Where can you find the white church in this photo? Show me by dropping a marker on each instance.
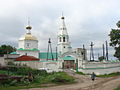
(65, 57)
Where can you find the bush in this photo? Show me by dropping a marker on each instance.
(8, 80)
(4, 79)
(11, 63)
(56, 77)
(62, 78)
(25, 70)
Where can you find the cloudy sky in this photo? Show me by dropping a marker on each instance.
(86, 21)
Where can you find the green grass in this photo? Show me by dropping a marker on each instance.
(21, 87)
(52, 79)
(3, 72)
(117, 89)
(56, 77)
(109, 75)
(7, 72)
(81, 73)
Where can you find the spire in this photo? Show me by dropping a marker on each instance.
(28, 27)
(63, 29)
(28, 20)
(62, 16)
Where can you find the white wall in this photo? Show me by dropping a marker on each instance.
(32, 64)
(61, 48)
(2, 61)
(32, 44)
(54, 66)
(100, 67)
(29, 53)
(51, 65)
(21, 44)
(11, 56)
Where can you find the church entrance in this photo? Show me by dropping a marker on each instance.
(69, 62)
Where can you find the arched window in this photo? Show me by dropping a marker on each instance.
(60, 39)
(63, 39)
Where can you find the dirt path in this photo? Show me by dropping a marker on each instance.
(85, 83)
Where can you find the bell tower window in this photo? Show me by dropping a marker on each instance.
(63, 39)
(60, 39)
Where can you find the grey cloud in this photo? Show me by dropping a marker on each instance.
(86, 20)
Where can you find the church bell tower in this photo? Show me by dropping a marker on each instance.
(63, 44)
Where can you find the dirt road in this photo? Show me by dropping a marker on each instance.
(85, 83)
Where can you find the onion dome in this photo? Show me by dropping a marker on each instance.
(28, 37)
(62, 17)
(28, 27)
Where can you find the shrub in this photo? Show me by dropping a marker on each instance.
(62, 78)
(25, 70)
(4, 79)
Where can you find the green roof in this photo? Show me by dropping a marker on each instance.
(13, 53)
(68, 58)
(34, 49)
(43, 55)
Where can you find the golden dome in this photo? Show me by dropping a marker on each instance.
(28, 37)
(28, 27)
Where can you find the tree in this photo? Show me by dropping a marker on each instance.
(101, 58)
(115, 40)
(6, 49)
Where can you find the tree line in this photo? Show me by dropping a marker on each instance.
(115, 40)
(6, 49)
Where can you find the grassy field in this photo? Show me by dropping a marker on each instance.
(27, 86)
(109, 75)
(41, 79)
(117, 89)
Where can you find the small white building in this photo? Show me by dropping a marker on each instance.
(28, 44)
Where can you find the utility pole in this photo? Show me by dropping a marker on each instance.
(98, 56)
(56, 54)
(84, 52)
(103, 51)
(91, 52)
(49, 47)
(106, 50)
